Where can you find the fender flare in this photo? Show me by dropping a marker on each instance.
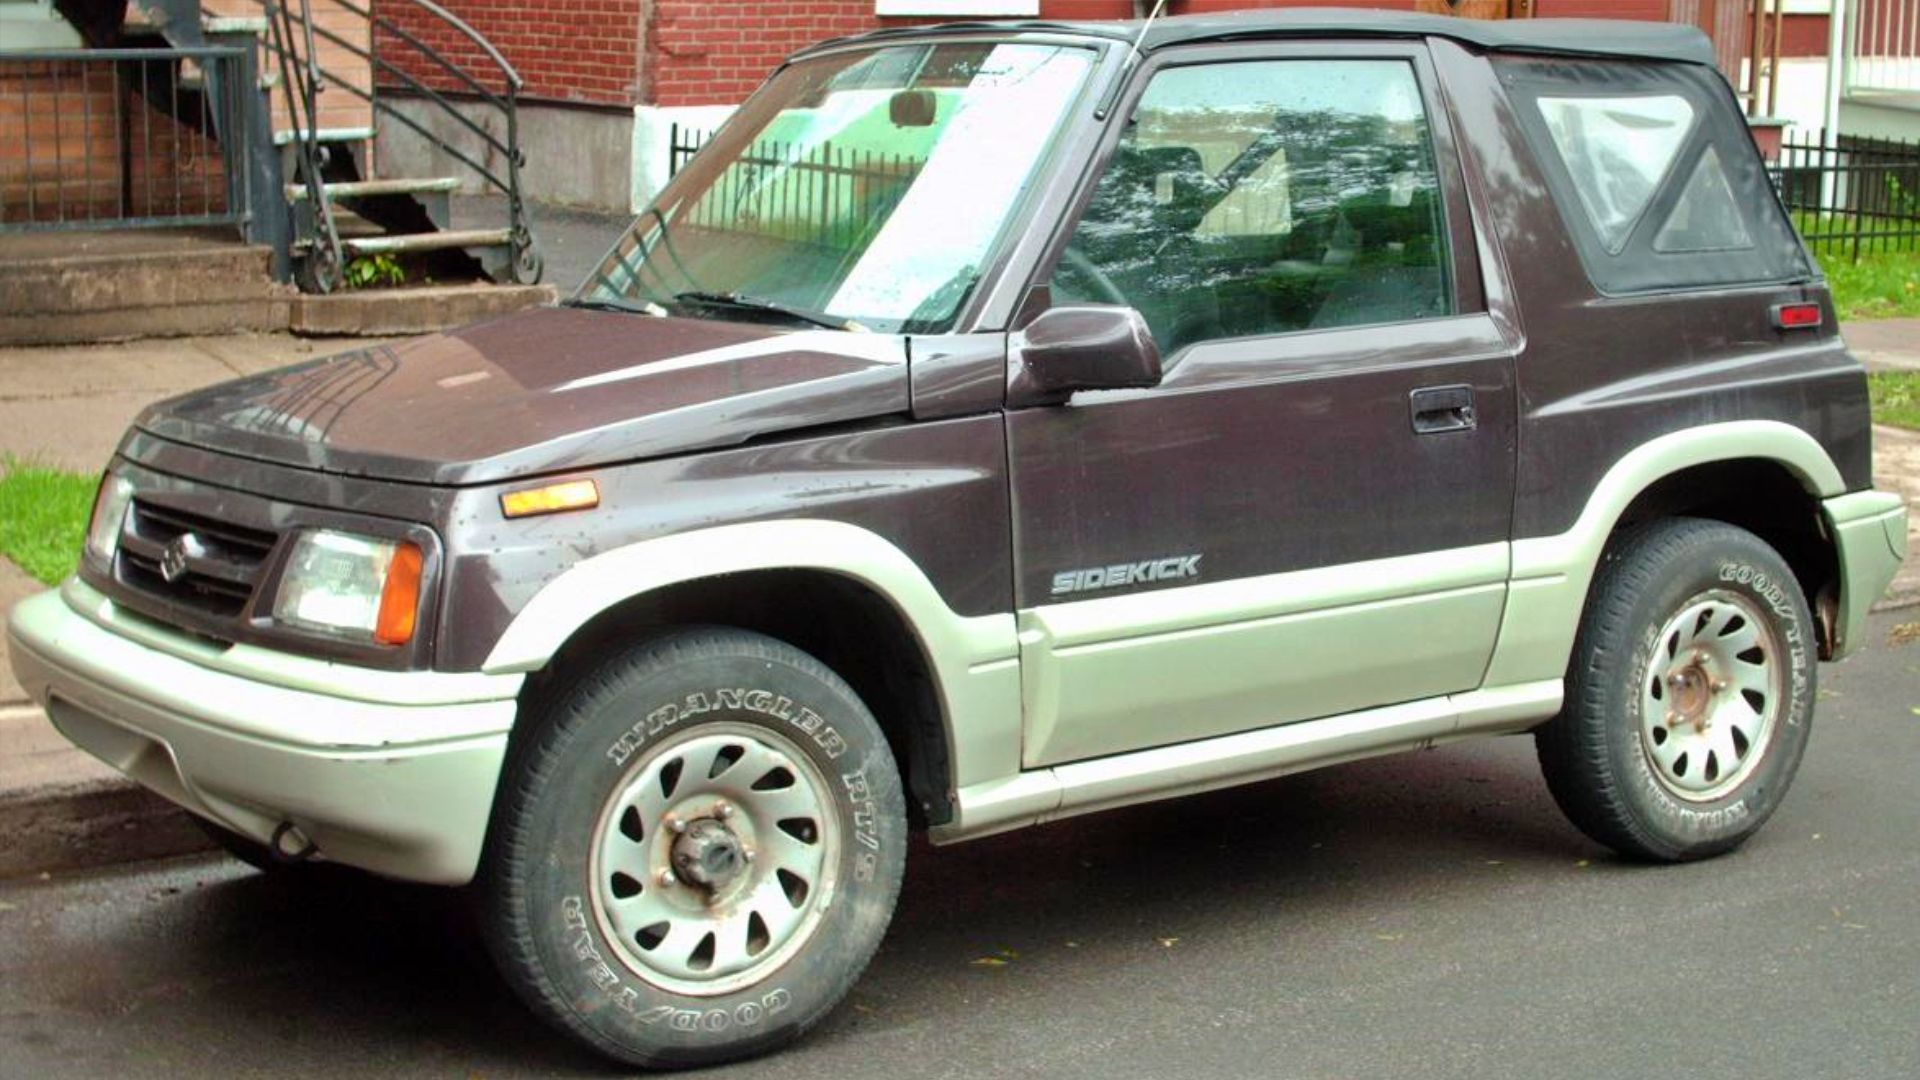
(1551, 574)
(974, 659)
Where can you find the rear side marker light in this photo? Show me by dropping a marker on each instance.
(552, 499)
(1796, 316)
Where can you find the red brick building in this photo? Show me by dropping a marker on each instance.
(605, 79)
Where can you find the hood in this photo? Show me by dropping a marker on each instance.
(542, 391)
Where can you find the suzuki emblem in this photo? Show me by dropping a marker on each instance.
(173, 561)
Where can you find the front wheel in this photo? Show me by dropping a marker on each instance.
(1689, 696)
(696, 851)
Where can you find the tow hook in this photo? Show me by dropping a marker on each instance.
(290, 845)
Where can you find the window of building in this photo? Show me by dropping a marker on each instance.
(1267, 197)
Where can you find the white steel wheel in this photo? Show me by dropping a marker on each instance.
(715, 858)
(696, 849)
(1715, 686)
(1689, 695)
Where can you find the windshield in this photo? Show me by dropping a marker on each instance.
(861, 188)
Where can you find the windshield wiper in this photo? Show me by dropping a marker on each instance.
(754, 303)
(615, 303)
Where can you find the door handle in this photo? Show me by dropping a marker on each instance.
(1440, 409)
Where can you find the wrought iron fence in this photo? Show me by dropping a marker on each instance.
(123, 138)
(1861, 196)
(820, 193)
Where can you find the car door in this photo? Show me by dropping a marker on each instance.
(1310, 515)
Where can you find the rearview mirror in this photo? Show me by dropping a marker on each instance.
(1085, 347)
(912, 108)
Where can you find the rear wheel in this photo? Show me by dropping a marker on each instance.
(1690, 695)
(696, 851)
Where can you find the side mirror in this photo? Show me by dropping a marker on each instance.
(1085, 347)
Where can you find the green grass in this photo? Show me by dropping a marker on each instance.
(1883, 286)
(1896, 398)
(43, 517)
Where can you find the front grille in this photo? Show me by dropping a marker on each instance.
(216, 565)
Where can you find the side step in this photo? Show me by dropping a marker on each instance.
(433, 241)
(366, 189)
(352, 134)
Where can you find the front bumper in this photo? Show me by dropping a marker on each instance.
(1869, 530)
(392, 772)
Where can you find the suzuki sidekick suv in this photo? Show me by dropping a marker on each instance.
(1002, 422)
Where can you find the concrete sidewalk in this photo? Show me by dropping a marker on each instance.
(69, 405)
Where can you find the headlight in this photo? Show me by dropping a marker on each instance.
(109, 515)
(351, 586)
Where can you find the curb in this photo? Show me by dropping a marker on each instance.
(99, 823)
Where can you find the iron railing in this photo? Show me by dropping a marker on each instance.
(499, 92)
(126, 138)
(1856, 197)
(822, 193)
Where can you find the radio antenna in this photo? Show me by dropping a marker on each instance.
(1158, 7)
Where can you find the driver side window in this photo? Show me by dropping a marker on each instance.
(1267, 197)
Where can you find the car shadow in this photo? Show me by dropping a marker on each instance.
(335, 959)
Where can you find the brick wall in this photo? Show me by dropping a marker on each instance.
(584, 51)
(61, 140)
(339, 108)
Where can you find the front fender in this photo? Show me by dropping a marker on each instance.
(974, 659)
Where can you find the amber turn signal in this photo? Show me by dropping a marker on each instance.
(552, 499)
(400, 599)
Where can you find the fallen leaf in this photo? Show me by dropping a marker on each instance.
(1584, 863)
(989, 961)
(1905, 633)
(4, 906)
(1390, 937)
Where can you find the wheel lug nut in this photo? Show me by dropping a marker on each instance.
(746, 853)
(666, 878)
(1720, 686)
(723, 810)
(674, 824)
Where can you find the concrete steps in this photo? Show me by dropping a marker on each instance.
(58, 288)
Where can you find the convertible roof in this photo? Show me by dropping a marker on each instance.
(1553, 37)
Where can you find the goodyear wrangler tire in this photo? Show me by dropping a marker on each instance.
(1689, 695)
(696, 851)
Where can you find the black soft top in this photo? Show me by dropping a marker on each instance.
(1552, 37)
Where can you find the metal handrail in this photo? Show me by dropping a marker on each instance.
(526, 261)
(514, 82)
(221, 109)
(415, 85)
(301, 81)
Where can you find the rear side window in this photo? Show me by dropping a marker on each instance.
(1655, 175)
(1617, 150)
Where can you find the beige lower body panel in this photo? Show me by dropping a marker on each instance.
(1109, 676)
(1082, 787)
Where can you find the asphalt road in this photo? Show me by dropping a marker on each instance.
(1427, 915)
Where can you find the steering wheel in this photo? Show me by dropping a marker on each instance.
(1088, 273)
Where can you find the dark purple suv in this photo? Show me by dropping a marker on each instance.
(1001, 422)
